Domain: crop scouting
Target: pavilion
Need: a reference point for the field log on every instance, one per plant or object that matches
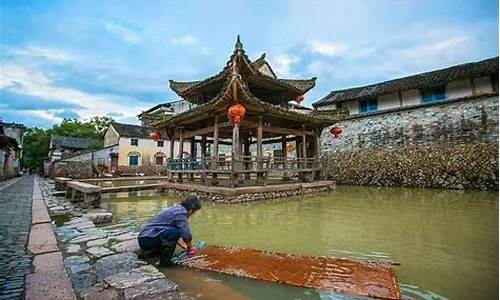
(245, 106)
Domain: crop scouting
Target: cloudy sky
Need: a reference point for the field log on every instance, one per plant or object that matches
(78, 59)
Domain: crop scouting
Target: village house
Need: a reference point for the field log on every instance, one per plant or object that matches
(136, 147)
(456, 82)
(11, 140)
(66, 146)
(163, 110)
(442, 126)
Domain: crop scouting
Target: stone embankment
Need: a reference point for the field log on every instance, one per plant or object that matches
(465, 166)
(102, 262)
(249, 197)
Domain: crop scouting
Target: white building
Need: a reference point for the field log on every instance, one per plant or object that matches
(444, 85)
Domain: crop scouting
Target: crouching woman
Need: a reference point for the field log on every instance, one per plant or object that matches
(160, 235)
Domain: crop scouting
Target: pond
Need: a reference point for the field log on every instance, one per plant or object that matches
(446, 241)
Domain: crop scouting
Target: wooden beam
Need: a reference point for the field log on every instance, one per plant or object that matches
(273, 141)
(287, 131)
(204, 131)
(221, 142)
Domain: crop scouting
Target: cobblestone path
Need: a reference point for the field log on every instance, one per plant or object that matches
(15, 221)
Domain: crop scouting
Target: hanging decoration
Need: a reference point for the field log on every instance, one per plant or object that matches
(236, 113)
(335, 131)
(155, 135)
(299, 98)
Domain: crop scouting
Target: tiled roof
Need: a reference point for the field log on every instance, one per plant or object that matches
(129, 130)
(8, 142)
(71, 142)
(428, 79)
(240, 58)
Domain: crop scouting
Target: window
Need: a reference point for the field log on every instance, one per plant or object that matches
(368, 105)
(133, 160)
(160, 143)
(159, 158)
(434, 94)
(134, 142)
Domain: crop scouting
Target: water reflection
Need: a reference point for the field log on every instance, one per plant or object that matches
(446, 241)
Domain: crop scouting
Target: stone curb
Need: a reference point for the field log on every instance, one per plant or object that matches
(49, 279)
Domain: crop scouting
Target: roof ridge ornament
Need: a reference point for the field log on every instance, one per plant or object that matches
(238, 45)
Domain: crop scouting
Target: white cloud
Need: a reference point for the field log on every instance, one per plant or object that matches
(315, 67)
(52, 54)
(125, 34)
(326, 48)
(435, 50)
(282, 64)
(47, 114)
(33, 82)
(185, 40)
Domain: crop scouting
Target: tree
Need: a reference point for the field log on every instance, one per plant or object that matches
(35, 148)
(36, 141)
(101, 124)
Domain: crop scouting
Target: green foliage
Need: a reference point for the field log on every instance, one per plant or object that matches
(36, 141)
(35, 148)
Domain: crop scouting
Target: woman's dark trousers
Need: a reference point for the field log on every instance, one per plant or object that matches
(163, 244)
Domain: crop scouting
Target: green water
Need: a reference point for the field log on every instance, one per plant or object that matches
(446, 241)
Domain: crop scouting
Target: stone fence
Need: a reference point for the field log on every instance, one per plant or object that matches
(466, 166)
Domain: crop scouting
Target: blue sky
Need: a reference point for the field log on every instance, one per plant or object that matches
(78, 59)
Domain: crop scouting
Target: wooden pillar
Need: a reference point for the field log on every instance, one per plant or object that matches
(304, 145)
(260, 176)
(181, 150)
(203, 147)
(317, 156)
(246, 153)
(215, 154)
(172, 144)
(303, 153)
(284, 156)
(236, 155)
(171, 160)
(192, 151)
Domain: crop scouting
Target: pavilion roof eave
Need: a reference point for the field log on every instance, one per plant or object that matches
(254, 104)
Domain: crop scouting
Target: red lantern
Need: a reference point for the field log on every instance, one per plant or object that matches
(155, 135)
(299, 98)
(236, 113)
(336, 131)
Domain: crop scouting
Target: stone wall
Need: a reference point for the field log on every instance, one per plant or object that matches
(250, 197)
(466, 166)
(446, 145)
(73, 169)
(456, 122)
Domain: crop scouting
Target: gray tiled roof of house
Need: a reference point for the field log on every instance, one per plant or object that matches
(129, 130)
(428, 79)
(8, 142)
(70, 142)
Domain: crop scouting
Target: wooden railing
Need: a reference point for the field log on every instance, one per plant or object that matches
(243, 167)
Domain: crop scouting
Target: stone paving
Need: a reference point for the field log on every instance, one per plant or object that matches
(15, 221)
(102, 262)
